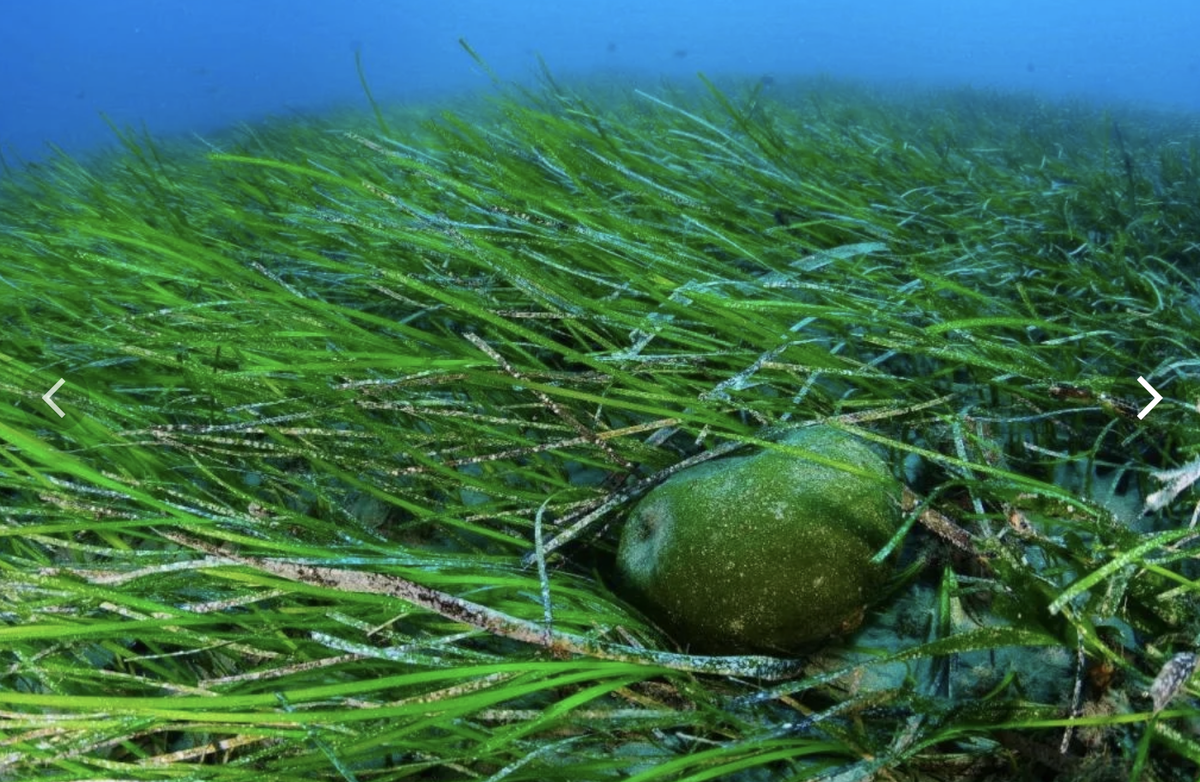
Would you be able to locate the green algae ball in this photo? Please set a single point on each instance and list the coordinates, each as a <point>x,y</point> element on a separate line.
<point>769,553</point>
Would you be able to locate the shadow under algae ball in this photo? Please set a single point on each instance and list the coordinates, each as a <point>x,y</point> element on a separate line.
<point>766,553</point>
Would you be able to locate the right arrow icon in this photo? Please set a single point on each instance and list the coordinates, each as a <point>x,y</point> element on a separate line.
<point>1157,397</point>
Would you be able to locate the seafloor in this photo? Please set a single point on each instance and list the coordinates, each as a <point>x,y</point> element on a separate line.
<point>355,407</point>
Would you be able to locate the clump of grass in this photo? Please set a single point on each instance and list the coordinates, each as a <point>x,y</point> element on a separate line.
<point>356,406</point>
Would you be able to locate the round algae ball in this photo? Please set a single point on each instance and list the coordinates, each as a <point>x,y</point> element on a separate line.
<point>766,553</point>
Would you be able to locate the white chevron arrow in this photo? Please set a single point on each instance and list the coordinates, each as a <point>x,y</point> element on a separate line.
<point>1157,397</point>
<point>46,397</point>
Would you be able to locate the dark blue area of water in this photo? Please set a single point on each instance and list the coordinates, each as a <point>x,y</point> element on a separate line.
<point>181,66</point>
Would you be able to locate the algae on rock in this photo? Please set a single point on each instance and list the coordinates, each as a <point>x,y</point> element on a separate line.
<point>764,553</point>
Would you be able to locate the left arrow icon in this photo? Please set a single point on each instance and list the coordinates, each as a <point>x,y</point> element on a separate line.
<point>46,397</point>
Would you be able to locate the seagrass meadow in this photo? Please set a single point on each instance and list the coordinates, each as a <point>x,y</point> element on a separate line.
<point>357,405</point>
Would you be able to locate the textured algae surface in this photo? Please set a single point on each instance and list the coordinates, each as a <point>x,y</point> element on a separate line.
<point>764,553</point>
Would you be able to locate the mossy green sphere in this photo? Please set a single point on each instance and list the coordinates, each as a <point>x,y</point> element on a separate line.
<point>769,553</point>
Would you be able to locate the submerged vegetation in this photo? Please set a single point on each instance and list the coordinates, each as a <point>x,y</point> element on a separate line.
<point>356,408</point>
<point>771,553</point>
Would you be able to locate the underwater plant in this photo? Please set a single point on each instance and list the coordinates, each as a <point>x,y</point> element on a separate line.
<point>768,553</point>
<point>357,409</point>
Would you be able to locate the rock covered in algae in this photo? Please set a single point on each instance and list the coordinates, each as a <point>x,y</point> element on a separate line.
<point>766,553</point>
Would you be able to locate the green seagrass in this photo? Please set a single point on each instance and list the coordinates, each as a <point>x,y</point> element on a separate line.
<point>764,553</point>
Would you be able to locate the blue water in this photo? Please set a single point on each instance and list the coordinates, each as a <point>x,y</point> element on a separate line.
<point>194,66</point>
